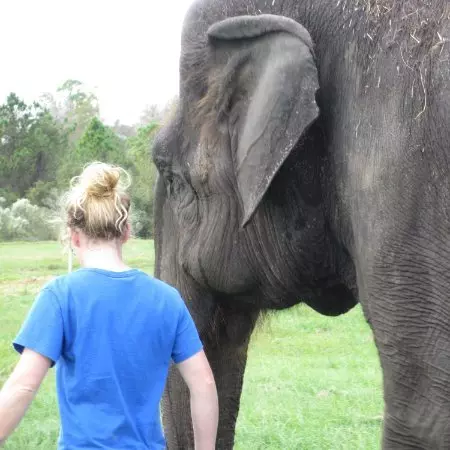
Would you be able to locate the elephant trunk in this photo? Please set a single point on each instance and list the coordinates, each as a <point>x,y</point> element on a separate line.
<point>224,325</point>
<point>228,364</point>
<point>225,334</point>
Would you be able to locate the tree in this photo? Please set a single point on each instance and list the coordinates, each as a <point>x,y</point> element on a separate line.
<point>31,145</point>
<point>144,177</point>
<point>158,114</point>
<point>74,106</point>
<point>152,113</point>
<point>98,143</point>
<point>80,107</point>
<point>124,131</point>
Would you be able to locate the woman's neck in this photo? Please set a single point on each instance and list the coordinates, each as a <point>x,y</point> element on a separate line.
<point>103,256</point>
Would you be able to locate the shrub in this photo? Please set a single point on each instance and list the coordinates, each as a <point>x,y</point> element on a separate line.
<point>141,223</point>
<point>41,192</point>
<point>8,197</point>
<point>24,221</point>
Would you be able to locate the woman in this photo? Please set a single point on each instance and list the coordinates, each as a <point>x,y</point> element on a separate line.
<point>112,332</point>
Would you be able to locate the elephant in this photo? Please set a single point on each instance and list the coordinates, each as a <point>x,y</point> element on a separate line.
<point>308,162</point>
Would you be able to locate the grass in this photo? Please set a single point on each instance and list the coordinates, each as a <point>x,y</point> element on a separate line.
<point>312,382</point>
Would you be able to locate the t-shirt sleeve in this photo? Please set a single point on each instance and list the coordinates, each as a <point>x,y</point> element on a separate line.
<point>42,330</point>
<point>187,340</point>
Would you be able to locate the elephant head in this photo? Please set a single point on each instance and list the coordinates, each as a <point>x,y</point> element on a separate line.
<point>230,170</point>
<point>281,178</point>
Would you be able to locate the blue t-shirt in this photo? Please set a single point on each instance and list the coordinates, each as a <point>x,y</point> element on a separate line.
<point>112,336</point>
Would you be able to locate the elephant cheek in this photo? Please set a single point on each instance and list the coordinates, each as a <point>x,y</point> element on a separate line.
<point>211,249</point>
<point>189,259</point>
<point>197,261</point>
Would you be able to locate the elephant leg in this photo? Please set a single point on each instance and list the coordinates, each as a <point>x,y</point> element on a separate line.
<point>412,334</point>
<point>226,343</point>
<point>416,404</point>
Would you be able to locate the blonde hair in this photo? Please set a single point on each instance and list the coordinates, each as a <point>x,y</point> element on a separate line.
<point>97,203</point>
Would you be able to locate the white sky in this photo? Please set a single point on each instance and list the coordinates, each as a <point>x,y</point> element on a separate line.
<point>125,50</point>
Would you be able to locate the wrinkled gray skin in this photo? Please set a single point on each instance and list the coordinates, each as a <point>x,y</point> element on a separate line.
<point>309,159</point>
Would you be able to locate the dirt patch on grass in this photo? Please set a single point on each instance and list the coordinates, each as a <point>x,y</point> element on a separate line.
<point>28,285</point>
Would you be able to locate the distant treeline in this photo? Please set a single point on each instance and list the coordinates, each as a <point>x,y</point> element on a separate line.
<point>44,144</point>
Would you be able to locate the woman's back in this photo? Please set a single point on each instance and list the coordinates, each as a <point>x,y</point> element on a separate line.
<point>120,331</point>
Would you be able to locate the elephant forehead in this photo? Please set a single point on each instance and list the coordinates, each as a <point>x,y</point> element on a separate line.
<point>414,13</point>
<point>415,25</point>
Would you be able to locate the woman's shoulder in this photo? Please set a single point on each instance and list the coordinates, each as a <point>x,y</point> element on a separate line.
<point>165,290</point>
<point>63,286</point>
<point>163,286</point>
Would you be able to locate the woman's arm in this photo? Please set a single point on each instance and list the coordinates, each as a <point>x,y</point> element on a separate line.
<point>199,378</point>
<point>20,389</point>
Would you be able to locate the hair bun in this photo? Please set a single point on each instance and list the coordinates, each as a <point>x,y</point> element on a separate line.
<point>100,180</point>
<point>98,203</point>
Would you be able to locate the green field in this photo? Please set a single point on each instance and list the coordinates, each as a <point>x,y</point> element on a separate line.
<point>311,383</point>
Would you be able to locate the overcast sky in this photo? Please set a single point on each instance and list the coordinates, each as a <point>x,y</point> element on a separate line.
<point>126,49</point>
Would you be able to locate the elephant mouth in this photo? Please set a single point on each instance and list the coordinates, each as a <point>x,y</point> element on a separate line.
<point>332,300</point>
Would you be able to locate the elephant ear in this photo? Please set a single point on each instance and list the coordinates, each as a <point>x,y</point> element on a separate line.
<point>278,80</point>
